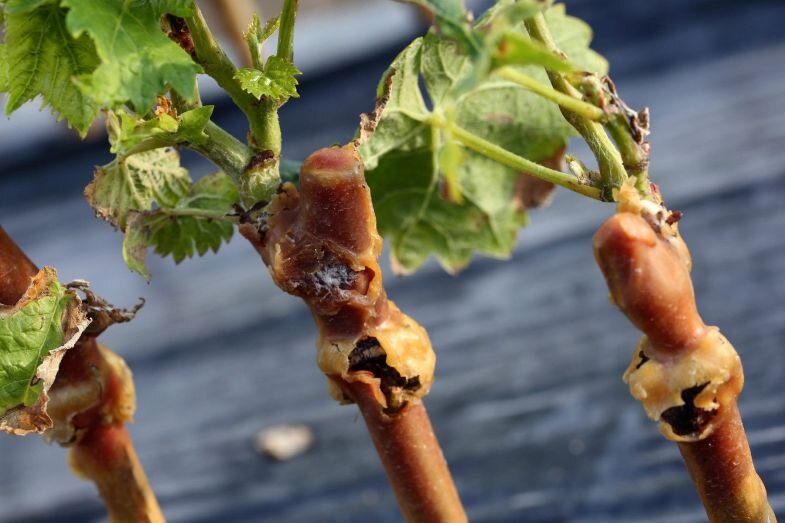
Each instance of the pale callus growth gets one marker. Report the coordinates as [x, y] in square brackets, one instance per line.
[686, 374]
[646, 264]
[92, 400]
[321, 244]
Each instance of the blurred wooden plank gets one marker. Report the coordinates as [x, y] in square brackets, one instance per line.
[528, 402]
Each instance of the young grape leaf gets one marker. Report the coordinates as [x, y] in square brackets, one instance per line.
[181, 8]
[277, 81]
[403, 156]
[573, 36]
[23, 6]
[270, 26]
[452, 19]
[256, 35]
[183, 236]
[126, 130]
[138, 61]
[135, 244]
[515, 48]
[510, 12]
[42, 59]
[34, 335]
[3, 70]
[133, 183]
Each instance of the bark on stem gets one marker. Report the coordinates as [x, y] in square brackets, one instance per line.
[103, 451]
[721, 468]
[320, 243]
[686, 374]
[106, 456]
[16, 270]
[412, 458]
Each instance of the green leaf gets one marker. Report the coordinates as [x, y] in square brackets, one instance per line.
[184, 236]
[517, 49]
[24, 6]
[270, 26]
[277, 81]
[34, 334]
[402, 124]
[418, 222]
[172, 232]
[402, 158]
[3, 70]
[126, 130]
[138, 61]
[573, 36]
[181, 8]
[508, 13]
[256, 35]
[416, 177]
[133, 183]
[42, 59]
[453, 22]
[135, 244]
[442, 67]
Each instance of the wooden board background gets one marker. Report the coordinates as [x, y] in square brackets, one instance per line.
[528, 402]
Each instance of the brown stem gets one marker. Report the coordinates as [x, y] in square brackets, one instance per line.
[106, 456]
[16, 270]
[89, 401]
[686, 374]
[412, 458]
[320, 243]
[721, 468]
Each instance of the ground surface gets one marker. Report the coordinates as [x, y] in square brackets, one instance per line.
[528, 402]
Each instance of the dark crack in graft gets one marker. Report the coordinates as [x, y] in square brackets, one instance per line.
[180, 33]
[643, 358]
[674, 217]
[260, 160]
[368, 355]
[687, 419]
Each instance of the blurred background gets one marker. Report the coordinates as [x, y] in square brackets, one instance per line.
[528, 403]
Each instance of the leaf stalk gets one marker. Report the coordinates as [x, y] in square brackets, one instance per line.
[224, 150]
[566, 101]
[286, 31]
[265, 132]
[201, 213]
[510, 159]
[609, 160]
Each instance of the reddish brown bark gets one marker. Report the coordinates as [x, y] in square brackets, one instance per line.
[106, 456]
[722, 470]
[686, 373]
[649, 281]
[90, 400]
[16, 270]
[320, 243]
[412, 458]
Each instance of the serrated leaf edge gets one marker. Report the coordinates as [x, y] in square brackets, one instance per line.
[23, 420]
